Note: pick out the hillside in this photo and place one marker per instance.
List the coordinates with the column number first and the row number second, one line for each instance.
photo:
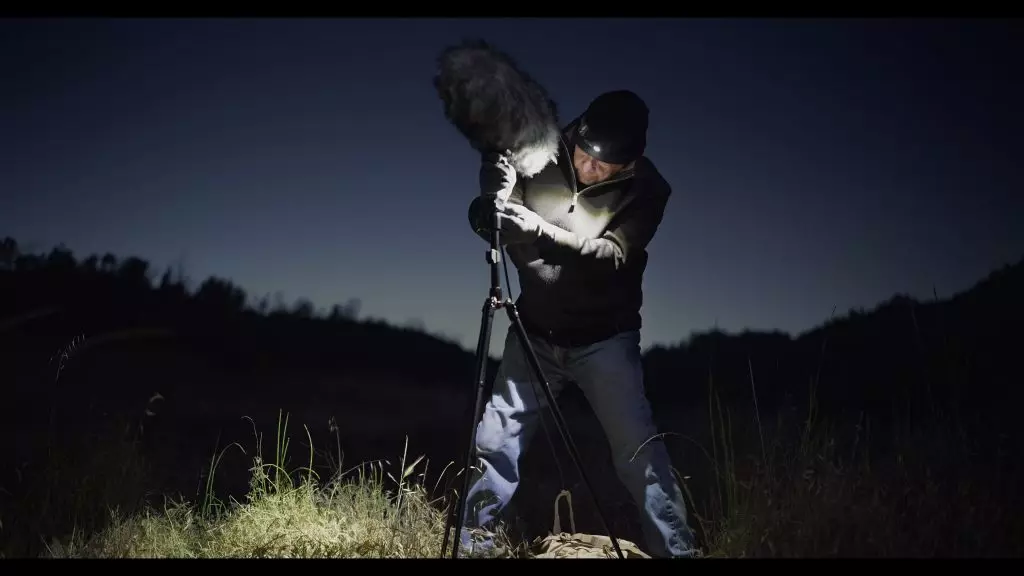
column 95, row 346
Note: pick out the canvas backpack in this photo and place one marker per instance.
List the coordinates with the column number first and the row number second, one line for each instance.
column 573, row 544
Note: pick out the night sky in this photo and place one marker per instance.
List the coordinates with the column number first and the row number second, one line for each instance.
column 814, row 164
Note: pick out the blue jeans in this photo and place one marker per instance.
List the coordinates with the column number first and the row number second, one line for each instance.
column 611, row 377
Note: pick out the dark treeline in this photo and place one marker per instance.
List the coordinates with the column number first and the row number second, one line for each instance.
column 105, row 345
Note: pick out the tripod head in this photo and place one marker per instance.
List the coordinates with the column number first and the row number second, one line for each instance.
column 493, row 226
column 497, row 178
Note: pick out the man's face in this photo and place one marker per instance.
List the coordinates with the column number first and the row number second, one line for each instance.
column 590, row 170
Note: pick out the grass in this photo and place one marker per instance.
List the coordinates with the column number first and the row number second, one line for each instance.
column 369, row 511
column 779, row 492
column 813, row 490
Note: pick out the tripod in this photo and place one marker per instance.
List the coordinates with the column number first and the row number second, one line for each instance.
column 493, row 302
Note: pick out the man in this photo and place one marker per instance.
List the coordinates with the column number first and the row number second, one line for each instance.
column 577, row 232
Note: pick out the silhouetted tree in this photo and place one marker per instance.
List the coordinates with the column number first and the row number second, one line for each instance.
column 134, row 272
column 303, row 308
column 262, row 305
column 109, row 262
column 349, row 311
column 8, row 253
column 61, row 260
column 221, row 294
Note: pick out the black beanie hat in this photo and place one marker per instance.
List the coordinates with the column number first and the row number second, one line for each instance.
column 614, row 127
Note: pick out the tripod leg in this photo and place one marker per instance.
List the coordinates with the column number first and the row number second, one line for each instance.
column 482, row 348
column 513, row 316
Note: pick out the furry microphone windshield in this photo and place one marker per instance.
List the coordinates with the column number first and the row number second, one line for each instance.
column 497, row 106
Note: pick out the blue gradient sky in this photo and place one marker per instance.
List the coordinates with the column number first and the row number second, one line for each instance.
column 814, row 164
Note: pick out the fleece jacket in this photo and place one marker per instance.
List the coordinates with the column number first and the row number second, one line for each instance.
column 581, row 280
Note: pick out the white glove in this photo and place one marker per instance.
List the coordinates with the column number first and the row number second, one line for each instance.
column 519, row 224
column 497, row 178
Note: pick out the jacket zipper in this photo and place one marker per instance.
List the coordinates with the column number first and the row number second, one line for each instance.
column 572, row 172
column 572, row 175
column 576, row 193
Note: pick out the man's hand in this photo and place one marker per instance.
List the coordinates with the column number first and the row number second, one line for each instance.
column 497, row 178
column 519, row 224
